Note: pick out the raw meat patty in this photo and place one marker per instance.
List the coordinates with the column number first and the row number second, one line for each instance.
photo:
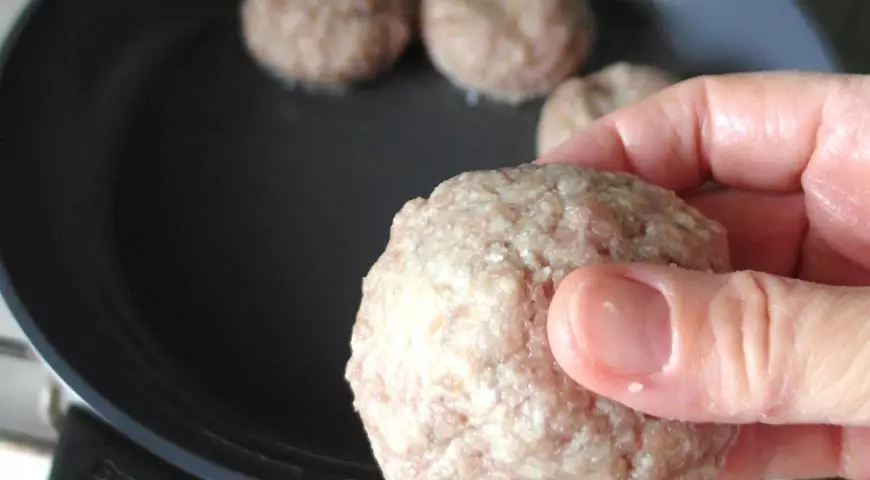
column 509, row 50
column 578, row 102
column 326, row 42
column 451, row 369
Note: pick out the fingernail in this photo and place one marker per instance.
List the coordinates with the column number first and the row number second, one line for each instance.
column 622, row 324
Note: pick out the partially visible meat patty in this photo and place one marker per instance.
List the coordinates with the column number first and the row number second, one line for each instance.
column 507, row 50
column 578, row 102
column 327, row 42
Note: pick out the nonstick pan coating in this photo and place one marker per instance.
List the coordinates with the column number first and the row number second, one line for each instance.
column 184, row 238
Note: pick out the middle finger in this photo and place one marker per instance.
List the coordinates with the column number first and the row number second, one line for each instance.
column 765, row 231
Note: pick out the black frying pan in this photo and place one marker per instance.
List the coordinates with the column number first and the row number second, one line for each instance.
column 183, row 239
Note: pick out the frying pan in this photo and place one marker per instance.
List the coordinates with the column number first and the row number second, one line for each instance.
column 183, row 238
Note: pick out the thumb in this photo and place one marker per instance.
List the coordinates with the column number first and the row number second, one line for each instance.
column 740, row 347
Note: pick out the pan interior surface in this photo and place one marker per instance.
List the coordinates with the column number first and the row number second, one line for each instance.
column 264, row 209
column 211, row 227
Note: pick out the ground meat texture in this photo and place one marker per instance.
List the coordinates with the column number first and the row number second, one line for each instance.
column 578, row 102
column 508, row 50
column 451, row 369
column 327, row 43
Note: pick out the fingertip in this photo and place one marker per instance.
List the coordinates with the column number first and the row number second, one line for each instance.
column 628, row 363
column 596, row 147
column 563, row 343
column 572, row 350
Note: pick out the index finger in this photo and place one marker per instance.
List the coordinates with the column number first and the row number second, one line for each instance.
column 754, row 131
column 798, row 451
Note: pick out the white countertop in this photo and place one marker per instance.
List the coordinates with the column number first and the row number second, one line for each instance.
column 9, row 10
column 23, row 385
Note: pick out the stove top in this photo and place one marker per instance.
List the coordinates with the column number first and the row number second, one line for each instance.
column 89, row 449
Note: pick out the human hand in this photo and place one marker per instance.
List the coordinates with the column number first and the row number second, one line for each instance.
column 781, row 345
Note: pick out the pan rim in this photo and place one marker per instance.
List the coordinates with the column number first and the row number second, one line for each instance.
column 835, row 60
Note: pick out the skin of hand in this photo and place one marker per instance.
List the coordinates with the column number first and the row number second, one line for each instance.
column 782, row 345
